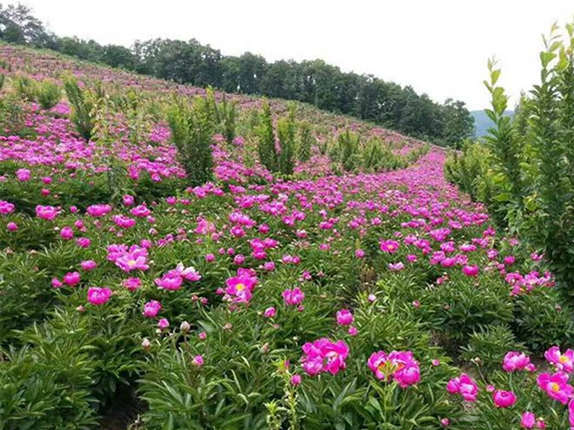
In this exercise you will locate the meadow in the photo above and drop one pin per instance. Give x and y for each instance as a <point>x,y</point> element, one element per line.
<point>173,257</point>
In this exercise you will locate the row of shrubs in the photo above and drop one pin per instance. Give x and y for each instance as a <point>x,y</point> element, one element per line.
<point>523,170</point>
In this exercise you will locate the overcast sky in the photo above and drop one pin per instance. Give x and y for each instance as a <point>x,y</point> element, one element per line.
<point>439,47</point>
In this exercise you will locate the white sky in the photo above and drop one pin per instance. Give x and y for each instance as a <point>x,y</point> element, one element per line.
<point>439,47</point>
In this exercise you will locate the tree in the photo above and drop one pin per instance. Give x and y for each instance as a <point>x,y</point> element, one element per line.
<point>458,124</point>
<point>18,25</point>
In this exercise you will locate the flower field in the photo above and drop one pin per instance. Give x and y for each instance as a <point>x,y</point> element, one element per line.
<point>366,296</point>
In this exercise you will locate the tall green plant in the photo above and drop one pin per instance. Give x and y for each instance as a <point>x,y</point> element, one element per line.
<point>192,129</point>
<point>529,182</point>
<point>306,141</point>
<point>84,103</point>
<point>347,151</point>
<point>286,131</point>
<point>48,94</point>
<point>266,147</point>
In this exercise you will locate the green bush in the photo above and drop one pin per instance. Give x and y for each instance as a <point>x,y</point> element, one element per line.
<point>286,132</point>
<point>48,94</point>
<point>265,133</point>
<point>192,129</point>
<point>84,103</point>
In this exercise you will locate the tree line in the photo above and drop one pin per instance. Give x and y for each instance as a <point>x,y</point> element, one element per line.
<point>315,82</point>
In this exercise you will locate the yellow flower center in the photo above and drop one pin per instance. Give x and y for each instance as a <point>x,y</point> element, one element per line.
<point>240,287</point>
<point>132,263</point>
<point>555,387</point>
<point>563,359</point>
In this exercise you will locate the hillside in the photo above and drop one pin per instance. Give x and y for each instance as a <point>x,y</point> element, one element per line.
<point>174,258</point>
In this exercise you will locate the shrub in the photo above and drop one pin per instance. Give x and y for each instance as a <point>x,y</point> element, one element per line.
<point>347,151</point>
<point>265,133</point>
<point>487,347</point>
<point>286,132</point>
<point>46,384</point>
<point>84,103</point>
<point>192,129</point>
<point>48,94</point>
<point>306,141</point>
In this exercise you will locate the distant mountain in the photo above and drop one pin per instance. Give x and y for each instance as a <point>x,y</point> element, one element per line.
<point>482,122</point>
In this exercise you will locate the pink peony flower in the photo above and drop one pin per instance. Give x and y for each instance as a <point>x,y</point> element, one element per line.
<point>23,175</point>
<point>240,288</point>
<point>471,271</point>
<point>6,208</point>
<point>72,278</point>
<point>528,420</point>
<point>344,317</point>
<point>399,366</point>
<point>390,246</point>
<point>563,362</point>
<point>504,399</point>
<point>293,297</point>
<point>198,360</point>
<point>46,212</point>
<point>171,280</point>
<point>465,386</point>
<point>556,386</point>
<point>270,312</point>
<point>132,284</point>
<point>296,380</point>
<point>323,355</point>
<point>99,296</point>
<point>129,260</point>
<point>151,309</point>
<point>516,361</point>
<point>88,265</point>
<point>98,210</point>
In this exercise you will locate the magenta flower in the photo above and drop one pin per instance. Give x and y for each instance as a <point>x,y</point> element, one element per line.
<point>504,399</point>
<point>465,386</point>
<point>132,284</point>
<point>556,386</point>
<point>270,312</point>
<point>46,212</point>
<point>163,323</point>
<point>323,355</point>
<point>528,420</point>
<point>23,175</point>
<point>516,361</point>
<point>390,246</point>
<point>239,289</point>
<point>98,210</point>
<point>344,317</point>
<point>293,297</point>
<point>187,273</point>
<point>399,366</point>
<point>133,259</point>
<point>72,278</point>
<point>563,362</point>
<point>6,208</point>
<point>140,211</point>
<point>88,265</point>
<point>151,309</point>
<point>12,226</point>
<point>296,380</point>
<point>99,296</point>
<point>67,233</point>
<point>471,271</point>
<point>172,280</point>
<point>198,360</point>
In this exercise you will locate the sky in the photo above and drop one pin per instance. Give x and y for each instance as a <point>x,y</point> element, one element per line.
<point>439,47</point>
